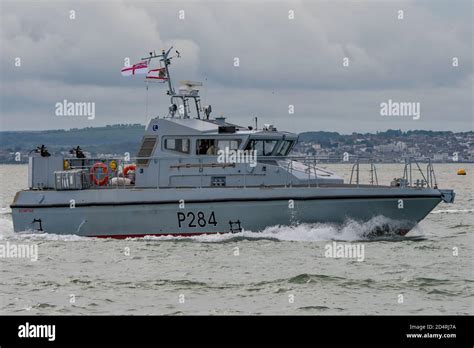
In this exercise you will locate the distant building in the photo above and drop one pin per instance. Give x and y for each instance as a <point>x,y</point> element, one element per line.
<point>399,146</point>
<point>440,156</point>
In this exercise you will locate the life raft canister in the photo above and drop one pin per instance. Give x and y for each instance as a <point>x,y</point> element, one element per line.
<point>129,168</point>
<point>94,178</point>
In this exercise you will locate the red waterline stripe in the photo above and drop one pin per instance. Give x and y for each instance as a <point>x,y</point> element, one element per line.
<point>124,236</point>
<point>403,231</point>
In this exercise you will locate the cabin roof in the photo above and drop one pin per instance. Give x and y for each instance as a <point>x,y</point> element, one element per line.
<point>194,126</point>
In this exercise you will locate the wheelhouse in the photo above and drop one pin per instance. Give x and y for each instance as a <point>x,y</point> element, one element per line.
<point>168,137</point>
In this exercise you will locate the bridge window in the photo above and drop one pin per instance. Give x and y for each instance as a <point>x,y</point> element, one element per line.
<point>206,147</point>
<point>177,144</point>
<point>211,146</point>
<point>284,148</point>
<point>263,147</point>
<point>231,144</point>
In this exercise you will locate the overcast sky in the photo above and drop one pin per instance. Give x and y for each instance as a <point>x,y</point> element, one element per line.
<point>283,61</point>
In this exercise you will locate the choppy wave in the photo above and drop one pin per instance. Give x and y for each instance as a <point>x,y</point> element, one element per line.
<point>6,227</point>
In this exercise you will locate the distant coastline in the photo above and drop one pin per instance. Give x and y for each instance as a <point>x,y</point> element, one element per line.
<point>389,146</point>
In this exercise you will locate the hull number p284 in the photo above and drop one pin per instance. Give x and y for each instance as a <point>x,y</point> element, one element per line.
<point>198,219</point>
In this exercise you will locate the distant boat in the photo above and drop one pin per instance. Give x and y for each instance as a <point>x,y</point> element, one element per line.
<point>461,171</point>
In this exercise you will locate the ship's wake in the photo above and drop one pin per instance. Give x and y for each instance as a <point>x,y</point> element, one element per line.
<point>6,233</point>
<point>377,229</point>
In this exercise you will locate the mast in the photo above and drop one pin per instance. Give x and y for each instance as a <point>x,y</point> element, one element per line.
<point>164,57</point>
<point>187,90</point>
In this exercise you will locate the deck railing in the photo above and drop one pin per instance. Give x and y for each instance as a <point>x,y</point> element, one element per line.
<point>313,170</point>
<point>428,180</point>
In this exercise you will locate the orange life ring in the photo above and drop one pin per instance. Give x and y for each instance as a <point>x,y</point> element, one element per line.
<point>129,168</point>
<point>94,178</point>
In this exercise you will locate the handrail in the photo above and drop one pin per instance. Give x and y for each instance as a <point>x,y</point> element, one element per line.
<point>429,180</point>
<point>204,162</point>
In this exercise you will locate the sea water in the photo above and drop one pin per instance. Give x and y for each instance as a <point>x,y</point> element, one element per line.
<point>282,270</point>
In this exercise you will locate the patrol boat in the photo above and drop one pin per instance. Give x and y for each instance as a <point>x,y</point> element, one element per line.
<point>195,174</point>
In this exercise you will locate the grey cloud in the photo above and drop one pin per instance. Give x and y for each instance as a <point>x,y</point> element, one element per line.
<point>282,61</point>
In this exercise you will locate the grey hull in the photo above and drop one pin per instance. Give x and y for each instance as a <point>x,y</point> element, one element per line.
<point>130,212</point>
